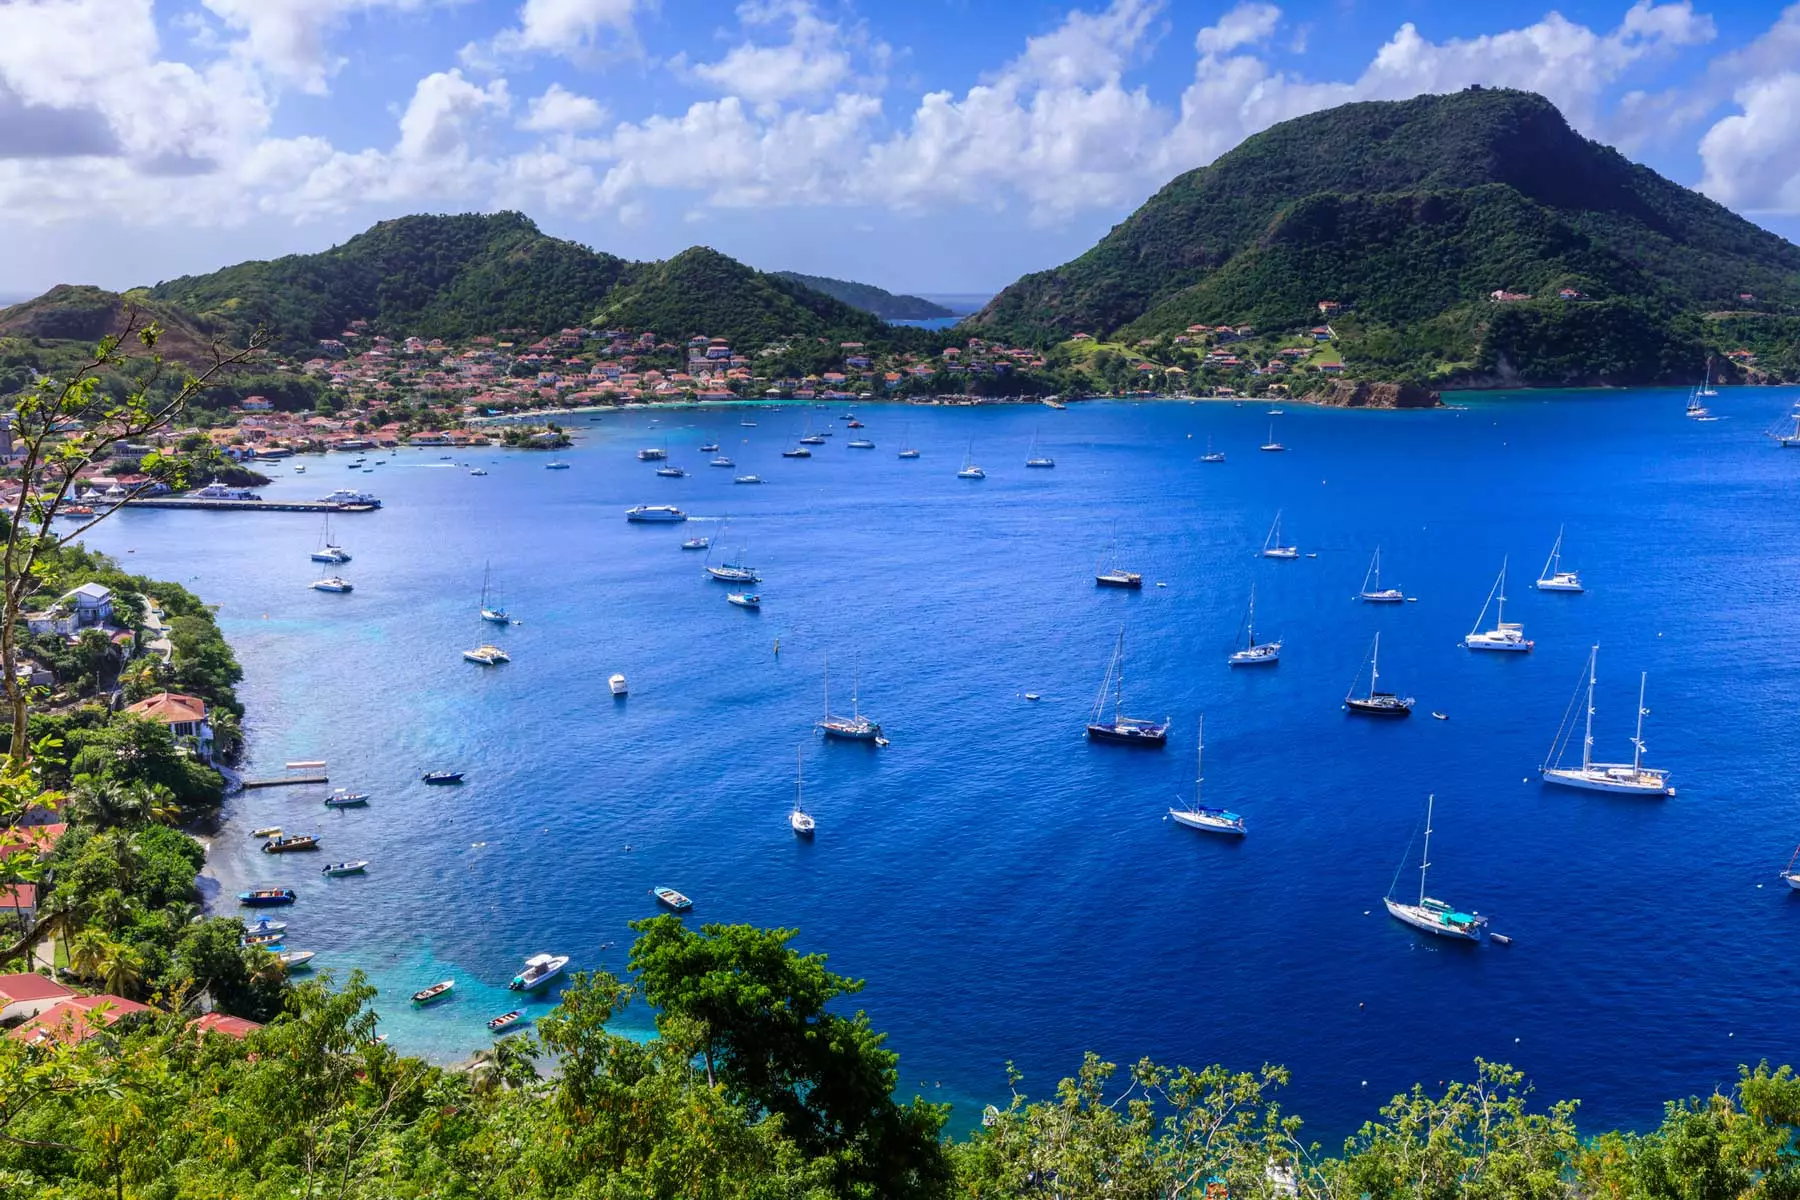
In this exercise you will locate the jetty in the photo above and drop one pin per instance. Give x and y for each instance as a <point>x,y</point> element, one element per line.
<point>284,781</point>
<point>291,506</point>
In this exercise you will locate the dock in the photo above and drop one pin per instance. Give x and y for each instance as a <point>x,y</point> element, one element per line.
<point>284,781</point>
<point>290,506</point>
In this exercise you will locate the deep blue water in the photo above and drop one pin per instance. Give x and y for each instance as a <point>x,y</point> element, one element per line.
<point>1009,891</point>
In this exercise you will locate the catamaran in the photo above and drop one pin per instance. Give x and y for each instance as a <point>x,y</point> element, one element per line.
<point>1198,816</point>
<point>853,728</point>
<point>1134,731</point>
<point>1553,578</point>
<point>1254,653</point>
<point>332,583</point>
<point>1631,779</point>
<point>329,551</point>
<point>1505,635</point>
<point>969,469</point>
<point>1433,916</point>
<point>799,820</point>
<point>1377,703</point>
<point>492,610</point>
<point>1791,439</point>
<point>1372,591</point>
<point>487,656</point>
<point>1034,459</point>
<point>1272,547</point>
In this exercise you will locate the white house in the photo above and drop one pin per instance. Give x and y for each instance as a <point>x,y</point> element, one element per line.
<point>92,604</point>
<point>185,717</point>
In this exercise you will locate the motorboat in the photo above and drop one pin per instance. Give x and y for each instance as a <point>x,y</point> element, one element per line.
<point>655,514</point>
<point>487,656</point>
<point>435,992</point>
<point>350,498</point>
<point>296,960</point>
<point>909,453</point>
<point>744,599</point>
<point>698,543</point>
<point>339,870</point>
<point>332,583</point>
<point>652,454</point>
<point>668,897</point>
<point>860,444</point>
<point>539,970</point>
<point>288,843</point>
<point>264,928</point>
<point>616,684</point>
<point>440,778</point>
<point>709,447</point>
<point>262,941</point>
<point>721,461</point>
<point>345,798</point>
<point>266,897</point>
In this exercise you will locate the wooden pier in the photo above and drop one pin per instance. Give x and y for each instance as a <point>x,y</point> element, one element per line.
<point>291,506</point>
<point>284,781</point>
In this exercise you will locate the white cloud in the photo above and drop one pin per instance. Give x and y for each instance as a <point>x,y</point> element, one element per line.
<point>815,58</point>
<point>445,111</point>
<point>1245,25</point>
<point>572,29</point>
<point>288,37</point>
<point>1751,157</point>
<point>559,110</point>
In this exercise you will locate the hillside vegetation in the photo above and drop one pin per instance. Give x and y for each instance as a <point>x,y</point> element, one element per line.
<point>1409,214</point>
<point>866,296</point>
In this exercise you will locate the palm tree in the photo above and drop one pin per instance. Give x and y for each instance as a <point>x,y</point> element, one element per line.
<point>87,951</point>
<point>105,803</point>
<point>158,803</point>
<point>122,969</point>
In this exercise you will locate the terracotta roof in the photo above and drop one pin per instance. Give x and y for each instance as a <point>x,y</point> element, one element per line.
<point>214,1022</point>
<point>74,1019</point>
<point>40,839</point>
<point>170,708</point>
<point>14,988</point>
<point>17,896</point>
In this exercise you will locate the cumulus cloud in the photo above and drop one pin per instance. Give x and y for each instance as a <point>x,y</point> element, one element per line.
<point>288,37</point>
<point>814,59</point>
<point>572,29</point>
<point>559,110</point>
<point>1751,157</point>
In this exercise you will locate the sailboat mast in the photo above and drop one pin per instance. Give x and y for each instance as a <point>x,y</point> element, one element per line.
<point>799,778</point>
<point>1119,677</point>
<point>1587,738</point>
<point>1500,590</point>
<point>1637,740</point>
<point>1199,757</point>
<point>1425,859</point>
<point>1374,665</point>
<point>1250,621</point>
<point>828,686</point>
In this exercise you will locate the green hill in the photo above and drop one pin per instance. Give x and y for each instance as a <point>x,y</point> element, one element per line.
<point>866,296</point>
<point>85,314</point>
<point>1410,214</point>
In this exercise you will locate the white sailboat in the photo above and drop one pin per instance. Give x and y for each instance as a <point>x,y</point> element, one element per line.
<point>1211,455</point>
<point>799,820</point>
<point>1272,446</point>
<point>1433,916</point>
<point>329,551</point>
<point>492,609</point>
<point>1034,459</point>
<point>1630,779</point>
<point>1553,578</point>
<point>1372,591</point>
<point>1505,635</point>
<point>1272,547</point>
<point>1792,876</point>
<point>1197,815</point>
<point>1789,440</point>
<point>1254,653</point>
<point>1706,387</point>
<point>907,449</point>
<point>969,469</point>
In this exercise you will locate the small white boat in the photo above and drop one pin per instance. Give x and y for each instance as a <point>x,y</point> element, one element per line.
<point>1553,578</point>
<point>748,479</point>
<point>969,469</point>
<point>799,820</point>
<point>345,798</point>
<point>744,599</point>
<point>332,583</point>
<point>1197,815</point>
<point>1372,591</point>
<point>267,831</point>
<point>339,870</point>
<point>1790,874</point>
<point>671,472</point>
<point>860,444</point>
<point>296,960</point>
<point>436,991</point>
<point>1429,915</point>
<point>487,656</point>
<point>616,683</point>
<point>478,471</point>
<point>709,447</point>
<point>1254,653</point>
<point>1272,446</point>
<point>721,461</point>
<point>909,453</point>
<point>1630,779</point>
<point>556,465</point>
<point>1505,635</point>
<point>539,971</point>
<point>1272,546</point>
<point>328,551</point>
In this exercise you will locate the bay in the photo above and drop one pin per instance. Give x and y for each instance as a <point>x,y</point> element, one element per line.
<point>1010,892</point>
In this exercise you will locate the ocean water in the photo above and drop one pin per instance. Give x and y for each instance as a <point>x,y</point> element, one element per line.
<point>1009,891</point>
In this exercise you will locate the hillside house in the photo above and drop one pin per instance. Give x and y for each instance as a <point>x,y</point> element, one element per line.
<point>75,1020</point>
<point>183,716</point>
<point>25,996</point>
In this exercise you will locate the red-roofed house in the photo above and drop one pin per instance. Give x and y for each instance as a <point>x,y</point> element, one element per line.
<point>18,905</point>
<point>215,1022</point>
<point>75,1020</point>
<point>185,717</point>
<point>37,839</point>
<point>24,996</point>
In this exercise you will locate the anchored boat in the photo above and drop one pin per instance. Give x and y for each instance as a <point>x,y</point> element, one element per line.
<point>1272,546</point>
<point>670,898</point>
<point>539,970</point>
<point>799,820</point>
<point>435,992</point>
<point>1197,815</point>
<point>1631,779</point>
<point>290,842</point>
<point>1553,578</point>
<point>1254,653</point>
<point>1377,703</point>
<point>1130,731</point>
<point>1429,915</point>
<point>1505,635</point>
<point>1372,591</point>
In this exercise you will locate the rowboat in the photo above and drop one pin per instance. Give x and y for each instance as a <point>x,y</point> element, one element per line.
<point>436,991</point>
<point>290,842</point>
<point>339,870</point>
<point>670,898</point>
<point>505,1021</point>
<point>297,960</point>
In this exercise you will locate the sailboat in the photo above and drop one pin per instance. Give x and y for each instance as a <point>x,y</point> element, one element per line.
<point>1706,388</point>
<point>1034,459</point>
<point>1792,876</point>
<point>328,551</point>
<point>1433,916</point>
<point>494,610</point>
<point>1272,547</point>
<point>1553,578</point>
<point>907,450</point>
<point>732,572</point>
<point>1791,439</point>
<point>1255,654</point>
<point>1631,779</point>
<point>1377,703</point>
<point>1207,820</point>
<point>1697,411</point>
<point>969,469</point>
<point>853,728</point>
<point>1376,594</point>
<point>799,819</point>
<point>1115,576</point>
<point>1211,455</point>
<point>1272,445</point>
<point>1134,731</point>
<point>1505,635</point>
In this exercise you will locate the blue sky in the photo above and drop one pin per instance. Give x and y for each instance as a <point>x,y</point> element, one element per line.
<point>934,145</point>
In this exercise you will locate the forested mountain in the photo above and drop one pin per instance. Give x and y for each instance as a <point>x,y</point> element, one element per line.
<point>866,296</point>
<point>1410,214</point>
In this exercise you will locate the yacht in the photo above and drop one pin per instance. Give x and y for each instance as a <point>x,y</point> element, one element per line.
<point>652,454</point>
<point>813,439</point>
<point>350,498</point>
<point>799,820</point>
<point>1131,731</point>
<point>709,447</point>
<point>1631,779</point>
<point>671,472</point>
<point>797,452</point>
<point>492,609</point>
<point>332,583</point>
<point>487,656</point>
<point>909,453</point>
<point>1272,546</point>
<point>1790,440</point>
<point>655,513</point>
<point>1254,653</point>
<point>1553,578</point>
<point>696,543</point>
<point>1115,577</point>
<point>734,572</point>
<point>1697,411</point>
<point>441,778</point>
<point>345,798</point>
<point>969,469</point>
<point>1377,703</point>
<point>1036,460</point>
<point>853,728</point>
<point>1372,591</point>
<point>329,551</point>
<point>861,443</point>
<point>744,599</point>
<point>721,461</point>
<point>748,479</point>
<point>1790,874</point>
<point>539,970</point>
<point>1433,916</point>
<point>1706,389</point>
<point>1272,446</point>
<point>1197,815</point>
<point>1505,635</point>
<point>616,684</point>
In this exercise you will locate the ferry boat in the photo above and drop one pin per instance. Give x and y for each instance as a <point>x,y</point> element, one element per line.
<point>748,479</point>
<point>345,798</point>
<point>339,870</point>
<point>290,842</point>
<point>671,472</point>
<point>1505,635</point>
<point>860,444</point>
<point>435,992</point>
<point>652,454</point>
<point>440,778</point>
<point>668,897</point>
<point>1132,731</point>
<point>1254,653</point>
<point>655,514</point>
<point>266,897</point>
<point>1434,916</point>
<point>505,1021</point>
<point>696,543</point>
<point>1197,815</point>
<point>539,970</point>
<point>487,656</point>
<point>744,599</point>
<point>220,491</point>
<point>296,960</point>
<point>1377,703</point>
<point>1272,547</point>
<point>799,820</point>
<point>616,684</point>
<point>721,461</point>
<point>1553,578</point>
<point>350,498</point>
<point>332,583</point>
<point>797,452</point>
<point>1629,779</point>
<point>1372,591</point>
<point>853,728</point>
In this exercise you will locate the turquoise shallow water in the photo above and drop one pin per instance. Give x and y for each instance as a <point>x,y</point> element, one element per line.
<point>1009,891</point>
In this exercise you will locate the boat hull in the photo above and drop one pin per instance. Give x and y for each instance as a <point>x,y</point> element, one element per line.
<point>1206,824</point>
<point>850,731</point>
<point>1377,708</point>
<point>1793,879</point>
<point>1479,642</point>
<point>1425,922</point>
<point>1559,585</point>
<point>1390,596</point>
<point>1130,582</point>
<point>1596,779</point>
<point>1129,735</point>
<point>1258,657</point>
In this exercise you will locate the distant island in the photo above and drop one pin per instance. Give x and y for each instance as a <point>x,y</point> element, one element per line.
<point>869,298</point>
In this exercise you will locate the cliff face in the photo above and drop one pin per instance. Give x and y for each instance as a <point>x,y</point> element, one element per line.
<point>1346,394</point>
